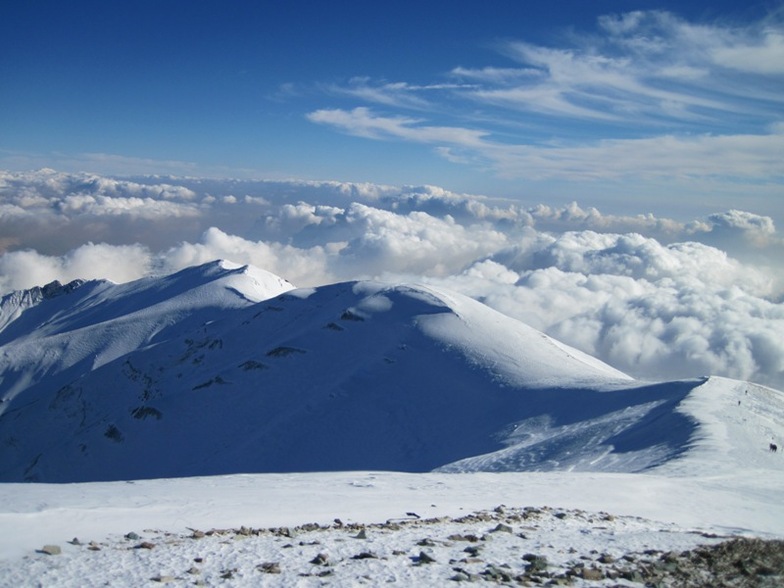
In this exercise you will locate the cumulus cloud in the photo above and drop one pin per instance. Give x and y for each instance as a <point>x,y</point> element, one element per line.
<point>654,311</point>
<point>51,211</point>
<point>413,243</point>
<point>302,267</point>
<point>656,297</point>
<point>118,263</point>
<point>754,229</point>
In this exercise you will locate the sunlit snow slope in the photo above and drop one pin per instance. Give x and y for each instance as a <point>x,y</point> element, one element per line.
<point>225,369</point>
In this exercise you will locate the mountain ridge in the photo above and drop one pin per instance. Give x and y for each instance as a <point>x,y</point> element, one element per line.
<point>222,368</point>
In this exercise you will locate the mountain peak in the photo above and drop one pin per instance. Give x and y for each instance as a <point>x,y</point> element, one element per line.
<point>250,282</point>
<point>37,293</point>
<point>13,304</point>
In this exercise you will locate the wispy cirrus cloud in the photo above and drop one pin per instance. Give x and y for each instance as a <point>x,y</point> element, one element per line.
<point>646,95</point>
<point>397,94</point>
<point>586,85</point>
<point>363,122</point>
<point>746,156</point>
<point>652,69</point>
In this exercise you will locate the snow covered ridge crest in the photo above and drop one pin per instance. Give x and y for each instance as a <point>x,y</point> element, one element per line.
<point>14,303</point>
<point>221,369</point>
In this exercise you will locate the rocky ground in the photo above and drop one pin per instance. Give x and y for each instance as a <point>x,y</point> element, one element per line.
<point>505,546</point>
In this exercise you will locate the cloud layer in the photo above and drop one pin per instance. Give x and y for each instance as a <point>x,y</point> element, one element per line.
<point>654,297</point>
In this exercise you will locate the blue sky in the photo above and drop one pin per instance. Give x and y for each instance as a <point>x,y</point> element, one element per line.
<point>639,106</point>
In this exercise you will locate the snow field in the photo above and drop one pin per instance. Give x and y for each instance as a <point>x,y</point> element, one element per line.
<point>502,544</point>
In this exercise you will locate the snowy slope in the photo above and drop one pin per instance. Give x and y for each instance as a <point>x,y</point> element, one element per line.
<point>79,327</point>
<point>222,369</point>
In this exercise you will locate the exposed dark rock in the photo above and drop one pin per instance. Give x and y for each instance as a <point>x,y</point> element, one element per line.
<point>424,558</point>
<point>55,288</point>
<point>284,351</point>
<point>142,412</point>
<point>322,559</point>
<point>210,382</point>
<point>458,537</point>
<point>536,563</point>
<point>252,364</point>
<point>113,433</point>
<point>606,558</point>
<point>348,315</point>
<point>270,567</point>
<point>461,576</point>
<point>497,573</point>
<point>593,574</point>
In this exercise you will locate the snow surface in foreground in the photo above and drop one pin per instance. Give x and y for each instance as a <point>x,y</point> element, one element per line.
<point>677,511</point>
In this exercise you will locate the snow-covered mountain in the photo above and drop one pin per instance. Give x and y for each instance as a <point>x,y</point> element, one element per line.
<point>222,369</point>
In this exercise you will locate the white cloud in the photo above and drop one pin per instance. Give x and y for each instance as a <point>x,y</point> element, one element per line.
<point>394,94</point>
<point>655,311</point>
<point>763,55</point>
<point>413,243</point>
<point>495,75</point>
<point>363,122</point>
<point>302,267</point>
<point>398,94</point>
<point>717,53</point>
<point>588,84</point>
<point>757,229</point>
<point>118,263</point>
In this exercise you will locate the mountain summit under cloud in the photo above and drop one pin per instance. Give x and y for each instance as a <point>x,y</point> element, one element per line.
<point>223,369</point>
